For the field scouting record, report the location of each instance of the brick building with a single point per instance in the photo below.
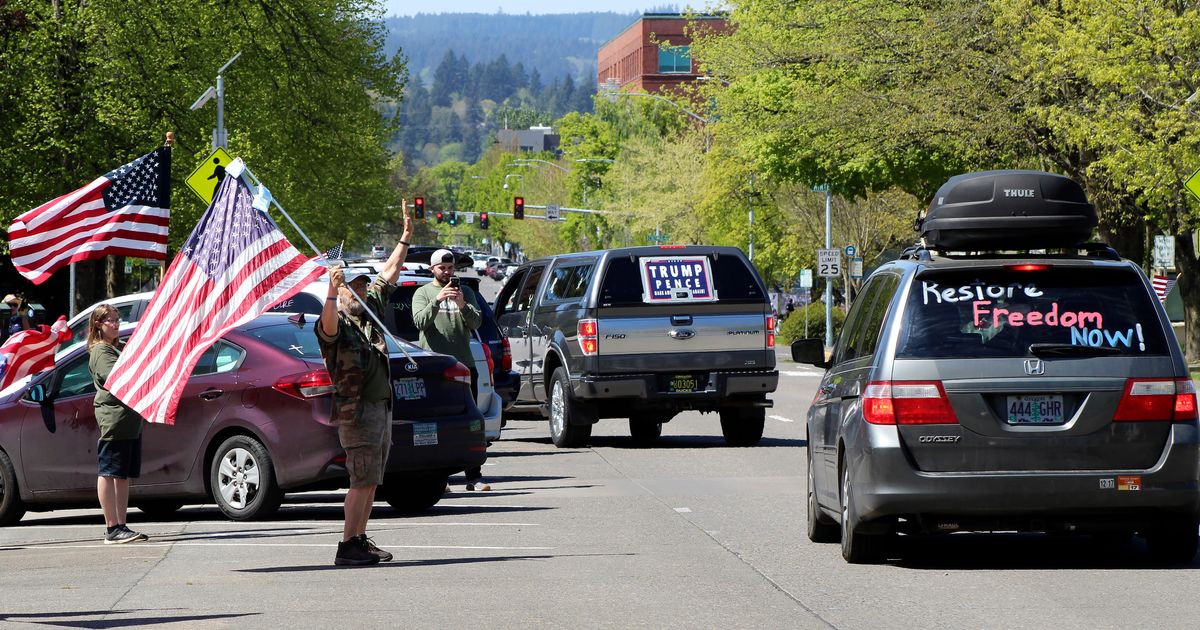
(635, 61)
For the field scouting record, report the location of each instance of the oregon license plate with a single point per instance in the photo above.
(1035, 409)
(409, 388)
(684, 383)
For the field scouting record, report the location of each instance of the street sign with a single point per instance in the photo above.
(829, 262)
(806, 279)
(150, 262)
(128, 265)
(203, 181)
(856, 267)
(850, 251)
(658, 238)
(1193, 184)
(470, 218)
(553, 213)
(821, 188)
(1164, 252)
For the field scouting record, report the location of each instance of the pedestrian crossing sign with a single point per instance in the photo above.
(203, 181)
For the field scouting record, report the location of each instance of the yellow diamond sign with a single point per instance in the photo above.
(203, 181)
(1193, 184)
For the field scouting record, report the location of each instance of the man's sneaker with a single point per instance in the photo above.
(122, 535)
(370, 545)
(478, 485)
(353, 553)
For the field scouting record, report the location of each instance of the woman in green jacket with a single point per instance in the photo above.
(120, 445)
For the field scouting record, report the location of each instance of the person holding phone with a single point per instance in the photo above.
(445, 312)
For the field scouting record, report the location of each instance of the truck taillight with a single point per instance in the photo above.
(589, 337)
(907, 402)
(505, 354)
(770, 331)
(1157, 399)
(306, 385)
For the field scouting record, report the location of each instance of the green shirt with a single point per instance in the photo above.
(116, 421)
(444, 327)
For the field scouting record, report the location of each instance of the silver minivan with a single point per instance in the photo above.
(1004, 392)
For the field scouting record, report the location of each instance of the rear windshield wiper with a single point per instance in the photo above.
(1069, 350)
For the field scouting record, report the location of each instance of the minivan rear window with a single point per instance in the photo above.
(999, 312)
(733, 282)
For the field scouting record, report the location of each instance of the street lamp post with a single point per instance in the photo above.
(220, 138)
(518, 176)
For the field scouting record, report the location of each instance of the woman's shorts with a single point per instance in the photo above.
(120, 458)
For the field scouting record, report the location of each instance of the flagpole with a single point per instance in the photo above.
(71, 300)
(375, 318)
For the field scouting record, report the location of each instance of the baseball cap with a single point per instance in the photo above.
(441, 256)
(356, 276)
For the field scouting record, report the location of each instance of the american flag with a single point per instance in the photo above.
(124, 212)
(1162, 286)
(31, 351)
(235, 266)
(335, 252)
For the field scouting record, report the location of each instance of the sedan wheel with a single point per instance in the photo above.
(11, 507)
(243, 479)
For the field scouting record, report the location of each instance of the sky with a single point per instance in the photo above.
(412, 7)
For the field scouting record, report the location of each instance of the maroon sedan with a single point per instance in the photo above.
(253, 423)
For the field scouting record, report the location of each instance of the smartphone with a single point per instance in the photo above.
(453, 282)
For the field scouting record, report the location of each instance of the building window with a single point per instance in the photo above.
(674, 60)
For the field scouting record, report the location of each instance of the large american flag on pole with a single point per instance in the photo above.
(124, 212)
(235, 266)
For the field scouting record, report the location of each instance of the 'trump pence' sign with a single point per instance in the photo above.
(668, 279)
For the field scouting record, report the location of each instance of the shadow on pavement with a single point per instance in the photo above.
(1020, 552)
(669, 441)
(56, 619)
(425, 563)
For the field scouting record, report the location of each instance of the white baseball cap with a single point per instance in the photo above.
(441, 256)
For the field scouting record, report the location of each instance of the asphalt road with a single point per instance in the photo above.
(690, 533)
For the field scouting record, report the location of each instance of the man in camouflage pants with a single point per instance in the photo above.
(356, 356)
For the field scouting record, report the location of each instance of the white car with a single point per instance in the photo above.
(482, 263)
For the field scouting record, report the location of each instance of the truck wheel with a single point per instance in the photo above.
(11, 507)
(1172, 542)
(243, 479)
(570, 420)
(415, 494)
(645, 430)
(743, 426)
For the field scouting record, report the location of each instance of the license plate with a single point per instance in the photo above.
(409, 388)
(1035, 409)
(684, 383)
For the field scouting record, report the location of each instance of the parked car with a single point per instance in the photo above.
(641, 333)
(258, 400)
(979, 386)
(481, 264)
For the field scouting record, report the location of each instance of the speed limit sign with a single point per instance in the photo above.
(829, 263)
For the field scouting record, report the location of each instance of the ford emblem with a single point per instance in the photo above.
(681, 333)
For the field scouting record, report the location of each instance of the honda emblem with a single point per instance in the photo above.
(1035, 367)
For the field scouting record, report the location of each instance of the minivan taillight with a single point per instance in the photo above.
(457, 372)
(907, 402)
(770, 331)
(306, 385)
(487, 354)
(505, 354)
(589, 337)
(1157, 399)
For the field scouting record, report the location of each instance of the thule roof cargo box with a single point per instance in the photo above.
(1009, 210)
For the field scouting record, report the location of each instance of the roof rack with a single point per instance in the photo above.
(923, 253)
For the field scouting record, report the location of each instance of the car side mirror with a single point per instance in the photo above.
(811, 351)
(38, 393)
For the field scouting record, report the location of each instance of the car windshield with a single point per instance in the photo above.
(1000, 312)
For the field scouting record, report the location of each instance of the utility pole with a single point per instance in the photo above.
(750, 199)
(828, 279)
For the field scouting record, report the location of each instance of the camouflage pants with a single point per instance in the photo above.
(367, 444)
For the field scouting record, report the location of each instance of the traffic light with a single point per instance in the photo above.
(483, 220)
(440, 216)
(518, 207)
(453, 219)
(419, 207)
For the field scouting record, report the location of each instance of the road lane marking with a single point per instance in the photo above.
(799, 373)
(780, 418)
(168, 543)
(683, 510)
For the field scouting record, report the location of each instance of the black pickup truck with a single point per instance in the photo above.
(641, 333)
